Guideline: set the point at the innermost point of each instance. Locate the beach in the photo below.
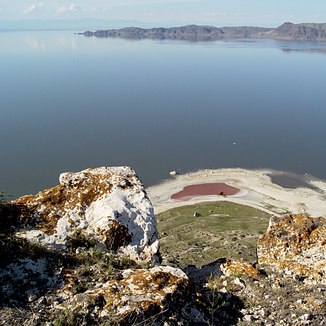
(256, 190)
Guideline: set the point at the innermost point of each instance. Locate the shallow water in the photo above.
(69, 102)
(205, 189)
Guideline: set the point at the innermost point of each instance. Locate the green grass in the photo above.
(224, 216)
(223, 229)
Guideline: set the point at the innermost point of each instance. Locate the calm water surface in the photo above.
(68, 102)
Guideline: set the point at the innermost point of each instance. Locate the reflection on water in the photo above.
(314, 50)
(33, 42)
(57, 41)
(69, 102)
(45, 44)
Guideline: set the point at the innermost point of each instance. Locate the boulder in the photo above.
(108, 204)
(138, 293)
(295, 244)
(219, 267)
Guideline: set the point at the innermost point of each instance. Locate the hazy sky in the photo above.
(219, 12)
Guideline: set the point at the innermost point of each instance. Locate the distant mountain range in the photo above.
(66, 24)
(194, 33)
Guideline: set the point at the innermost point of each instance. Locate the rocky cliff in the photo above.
(194, 33)
(86, 253)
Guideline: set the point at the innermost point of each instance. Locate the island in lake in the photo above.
(194, 33)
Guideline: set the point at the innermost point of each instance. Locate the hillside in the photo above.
(194, 33)
(90, 251)
(299, 32)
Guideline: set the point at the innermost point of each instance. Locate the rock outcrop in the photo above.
(295, 244)
(116, 282)
(108, 281)
(138, 293)
(220, 267)
(107, 204)
(132, 295)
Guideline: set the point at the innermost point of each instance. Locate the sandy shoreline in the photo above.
(258, 191)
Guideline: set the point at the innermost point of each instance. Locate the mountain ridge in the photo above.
(195, 33)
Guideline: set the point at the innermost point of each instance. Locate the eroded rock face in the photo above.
(139, 292)
(109, 204)
(295, 244)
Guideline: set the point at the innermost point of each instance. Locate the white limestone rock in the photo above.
(107, 203)
(139, 292)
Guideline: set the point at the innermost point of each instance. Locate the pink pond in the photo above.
(205, 189)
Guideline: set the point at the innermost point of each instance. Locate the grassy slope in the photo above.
(223, 229)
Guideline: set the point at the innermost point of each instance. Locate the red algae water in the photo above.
(205, 189)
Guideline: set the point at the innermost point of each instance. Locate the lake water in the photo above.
(69, 102)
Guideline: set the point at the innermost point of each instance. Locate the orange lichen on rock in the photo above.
(220, 267)
(139, 292)
(117, 236)
(69, 278)
(233, 267)
(309, 304)
(295, 243)
(108, 204)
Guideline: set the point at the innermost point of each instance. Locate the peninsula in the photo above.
(194, 33)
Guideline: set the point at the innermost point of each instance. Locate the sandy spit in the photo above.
(258, 191)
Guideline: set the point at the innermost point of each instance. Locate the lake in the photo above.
(69, 102)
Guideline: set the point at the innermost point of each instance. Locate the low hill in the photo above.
(194, 33)
(299, 32)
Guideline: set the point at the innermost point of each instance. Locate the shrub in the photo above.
(4, 198)
(78, 239)
(68, 318)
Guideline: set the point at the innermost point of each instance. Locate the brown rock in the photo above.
(233, 267)
(295, 244)
(139, 292)
(221, 266)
